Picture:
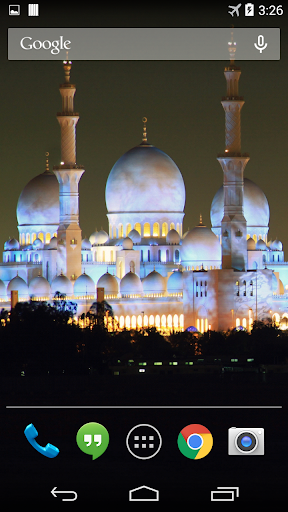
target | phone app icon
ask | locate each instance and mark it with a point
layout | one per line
(93, 439)
(195, 441)
(49, 450)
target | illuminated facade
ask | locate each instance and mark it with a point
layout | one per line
(152, 273)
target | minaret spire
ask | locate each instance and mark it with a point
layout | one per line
(233, 162)
(232, 103)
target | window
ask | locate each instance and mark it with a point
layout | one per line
(137, 226)
(146, 229)
(151, 320)
(164, 229)
(175, 321)
(139, 321)
(156, 229)
(163, 321)
(128, 229)
(120, 231)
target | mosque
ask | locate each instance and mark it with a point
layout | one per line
(150, 272)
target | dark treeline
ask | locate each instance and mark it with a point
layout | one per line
(37, 338)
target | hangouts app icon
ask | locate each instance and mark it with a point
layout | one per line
(93, 439)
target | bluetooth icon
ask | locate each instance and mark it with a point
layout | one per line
(249, 9)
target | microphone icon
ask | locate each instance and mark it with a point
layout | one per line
(260, 45)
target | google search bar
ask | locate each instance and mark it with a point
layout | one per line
(143, 43)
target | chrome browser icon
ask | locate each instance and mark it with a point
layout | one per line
(195, 441)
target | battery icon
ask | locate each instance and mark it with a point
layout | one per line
(249, 9)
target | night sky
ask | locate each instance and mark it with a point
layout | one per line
(181, 100)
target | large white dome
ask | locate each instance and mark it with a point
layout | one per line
(39, 201)
(256, 207)
(145, 179)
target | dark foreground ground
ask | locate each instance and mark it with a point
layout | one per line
(169, 403)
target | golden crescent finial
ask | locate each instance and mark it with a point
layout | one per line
(47, 161)
(144, 138)
(232, 47)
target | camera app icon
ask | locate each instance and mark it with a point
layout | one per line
(245, 441)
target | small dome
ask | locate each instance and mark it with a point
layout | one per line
(251, 244)
(175, 282)
(11, 245)
(135, 236)
(53, 243)
(84, 285)
(40, 287)
(173, 237)
(18, 284)
(38, 244)
(109, 283)
(99, 237)
(62, 284)
(127, 244)
(131, 284)
(276, 245)
(3, 291)
(86, 245)
(200, 245)
(154, 283)
(261, 246)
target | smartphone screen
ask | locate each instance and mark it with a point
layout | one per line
(143, 277)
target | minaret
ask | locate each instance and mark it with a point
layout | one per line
(233, 162)
(68, 174)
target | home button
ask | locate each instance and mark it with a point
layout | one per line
(143, 493)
